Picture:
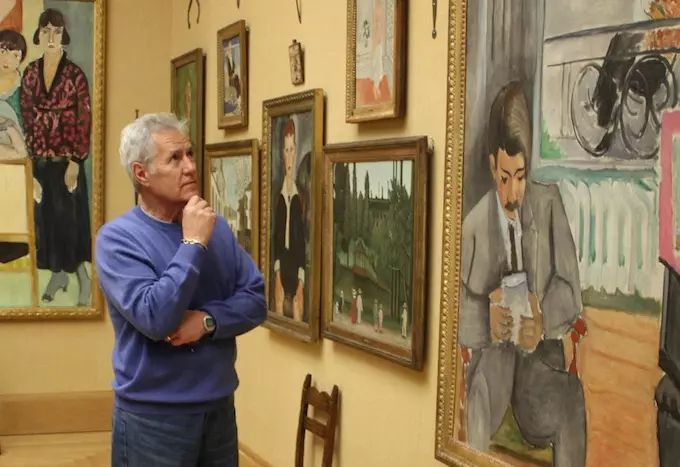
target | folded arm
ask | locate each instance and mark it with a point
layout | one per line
(245, 309)
(153, 304)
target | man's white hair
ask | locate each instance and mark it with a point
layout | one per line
(137, 143)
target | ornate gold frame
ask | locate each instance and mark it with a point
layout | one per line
(396, 108)
(236, 121)
(311, 100)
(447, 449)
(244, 147)
(414, 149)
(96, 310)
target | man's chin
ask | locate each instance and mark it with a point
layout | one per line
(189, 190)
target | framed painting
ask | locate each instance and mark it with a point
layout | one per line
(375, 247)
(552, 282)
(376, 60)
(51, 157)
(231, 187)
(187, 99)
(290, 246)
(232, 76)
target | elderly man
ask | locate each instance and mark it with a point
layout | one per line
(179, 290)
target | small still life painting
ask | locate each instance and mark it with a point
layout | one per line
(187, 98)
(231, 188)
(376, 57)
(51, 88)
(292, 144)
(375, 245)
(232, 76)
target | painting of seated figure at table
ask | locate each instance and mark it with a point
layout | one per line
(566, 150)
(50, 149)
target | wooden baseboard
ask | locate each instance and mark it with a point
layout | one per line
(73, 412)
(247, 458)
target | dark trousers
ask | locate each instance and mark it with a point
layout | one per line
(207, 439)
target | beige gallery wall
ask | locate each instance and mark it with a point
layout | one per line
(53, 357)
(387, 412)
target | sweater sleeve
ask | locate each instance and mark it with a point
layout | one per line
(245, 309)
(153, 304)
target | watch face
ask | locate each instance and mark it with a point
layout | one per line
(209, 322)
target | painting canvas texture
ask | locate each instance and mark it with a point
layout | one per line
(231, 195)
(375, 42)
(373, 214)
(570, 131)
(290, 163)
(187, 100)
(233, 76)
(47, 52)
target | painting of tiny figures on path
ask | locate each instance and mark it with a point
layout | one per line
(373, 248)
(568, 233)
(51, 65)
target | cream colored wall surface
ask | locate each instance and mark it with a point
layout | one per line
(387, 411)
(50, 356)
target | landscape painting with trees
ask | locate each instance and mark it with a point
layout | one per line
(371, 249)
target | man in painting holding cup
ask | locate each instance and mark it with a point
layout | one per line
(520, 301)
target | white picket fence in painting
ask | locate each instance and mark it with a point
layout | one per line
(615, 228)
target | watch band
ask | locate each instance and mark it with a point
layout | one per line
(191, 241)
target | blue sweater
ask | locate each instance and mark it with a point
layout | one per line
(150, 279)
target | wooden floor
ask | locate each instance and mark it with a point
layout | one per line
(75, 450)
(68, 450)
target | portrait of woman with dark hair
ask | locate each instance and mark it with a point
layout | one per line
(56, 113)
(12, 53)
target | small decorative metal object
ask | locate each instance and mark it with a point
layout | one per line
(434, 19)
(298, 5)
(238, 4)
(297, 67)
(198, 12)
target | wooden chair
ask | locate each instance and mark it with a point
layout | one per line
(322, 402)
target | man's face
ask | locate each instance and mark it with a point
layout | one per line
(509, 173)
(289, 153)
(173, 178)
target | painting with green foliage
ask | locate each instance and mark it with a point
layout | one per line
(373, 245)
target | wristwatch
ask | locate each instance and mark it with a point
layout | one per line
(209, 323)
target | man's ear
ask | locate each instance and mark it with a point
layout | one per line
(140, 173)
(492, 164)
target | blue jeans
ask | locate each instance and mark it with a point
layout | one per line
(207, 439)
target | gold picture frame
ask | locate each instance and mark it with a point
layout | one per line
(393, 283)
(190, 107)
(386, 98)
(236, 86)
(296, 118)
(96, 307)
(230, 151)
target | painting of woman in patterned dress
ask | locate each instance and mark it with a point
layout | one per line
(56, 113)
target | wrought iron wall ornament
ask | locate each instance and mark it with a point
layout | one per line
(198, 13)
(434, 19)
(298, 5)
(238, 4)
